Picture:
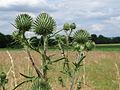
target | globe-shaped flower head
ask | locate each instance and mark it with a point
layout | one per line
(89, 45)
(44, 24)
(81, 36)
(66, 27)
(23, 22)
(73, 26)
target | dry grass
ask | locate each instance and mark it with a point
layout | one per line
(100, 69)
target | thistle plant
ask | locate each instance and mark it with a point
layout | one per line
(44, 26)
(3, 80)
(82, 43)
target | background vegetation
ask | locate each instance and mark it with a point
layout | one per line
(7, 41)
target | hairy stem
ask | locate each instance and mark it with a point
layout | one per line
(26, 43)
(39, 73)
(29, 55)
(67, 44)
(79, 61)
(73, 76)
(3, 87)
(44, 56)
(72, 84)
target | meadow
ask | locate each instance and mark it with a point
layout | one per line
(102, 66)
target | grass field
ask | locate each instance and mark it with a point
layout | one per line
(99, 47)
(100, 64)
(108, 47)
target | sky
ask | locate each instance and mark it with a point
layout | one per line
(95, 16)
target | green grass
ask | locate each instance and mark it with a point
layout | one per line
(107, 47)
(99, 47)
(103, 75)
(100, 69)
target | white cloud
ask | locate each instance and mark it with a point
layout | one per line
(97, 27)
(7, 3)
(90, 14)
(115, 21)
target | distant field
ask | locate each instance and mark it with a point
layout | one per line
(99, 47)
(101, 72)
(108, 47)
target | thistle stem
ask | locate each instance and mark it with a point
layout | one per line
(67, 43)
(33, 64)
(44, 56)
(72, 82)
(3, 87)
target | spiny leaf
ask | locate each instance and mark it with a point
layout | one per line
(22, 84)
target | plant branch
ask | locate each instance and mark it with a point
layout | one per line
(44, 56)
(27, 43)
(33, 64)
(56, 33)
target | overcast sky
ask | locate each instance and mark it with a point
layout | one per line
(96, 16)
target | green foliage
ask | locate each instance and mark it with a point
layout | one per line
(17, 35)
(40, 84)
(44, 24)
(79, 47)
(81, 36)
(2, 41)
(90, 45)
(3, 80)
(61, 82)
(7, 41)
(61, 39)
(34, 41)
(23, 22)
(79, 85)
(80, 44)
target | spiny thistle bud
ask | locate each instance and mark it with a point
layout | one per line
(66, 27)
(81, 36)
(79, 47)
(44, 24)
(3, 79)
(2, 75)
(23, 22)
(90, 45)
(73, 26)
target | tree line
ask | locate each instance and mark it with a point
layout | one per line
(7, 41)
